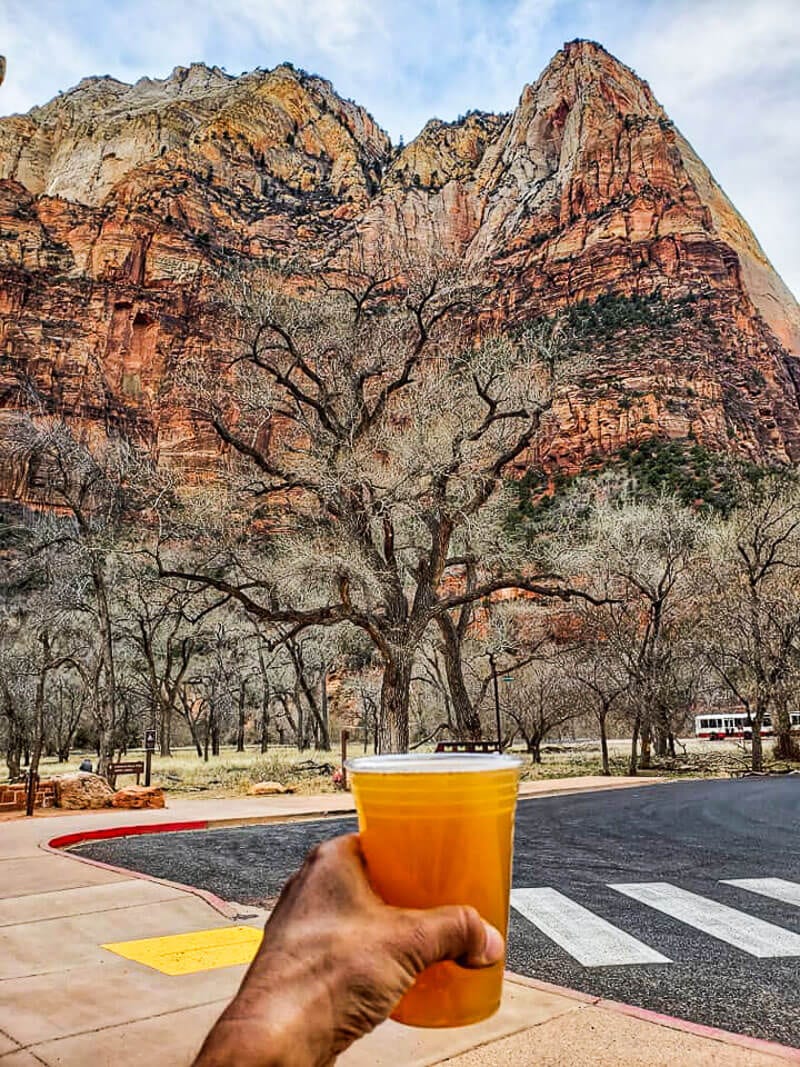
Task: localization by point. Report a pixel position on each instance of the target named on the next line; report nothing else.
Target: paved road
(621, 894)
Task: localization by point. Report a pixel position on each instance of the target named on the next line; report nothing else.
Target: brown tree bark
(106, 679)
(468, 723)
(601, 719)
(393, 733)
(633, 763)
(240, 721)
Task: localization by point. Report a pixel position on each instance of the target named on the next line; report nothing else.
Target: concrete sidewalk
(67, 1001)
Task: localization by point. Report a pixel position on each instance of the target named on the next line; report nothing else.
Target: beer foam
(433, 763)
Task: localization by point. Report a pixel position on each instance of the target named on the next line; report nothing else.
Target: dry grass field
(233, 773)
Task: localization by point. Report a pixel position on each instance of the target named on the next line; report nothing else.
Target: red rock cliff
(118, 202)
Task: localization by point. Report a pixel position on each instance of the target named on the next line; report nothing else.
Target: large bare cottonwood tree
(372, 441)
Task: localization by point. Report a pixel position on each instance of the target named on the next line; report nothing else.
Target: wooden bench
(467, 746)
(134, 767)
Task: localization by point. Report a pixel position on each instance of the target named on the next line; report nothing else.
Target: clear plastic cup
(439, 829)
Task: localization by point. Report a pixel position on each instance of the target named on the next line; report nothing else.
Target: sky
(727, 71)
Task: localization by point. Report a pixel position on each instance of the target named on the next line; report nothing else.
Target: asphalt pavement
(623, 895)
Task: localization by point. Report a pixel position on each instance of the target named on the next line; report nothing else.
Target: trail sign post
(149, 747)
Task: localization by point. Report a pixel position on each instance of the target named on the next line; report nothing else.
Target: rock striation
(118, 204)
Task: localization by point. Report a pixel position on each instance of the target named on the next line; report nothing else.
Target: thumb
(456, 932)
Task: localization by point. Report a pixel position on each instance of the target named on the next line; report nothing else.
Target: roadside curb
(610, 786)
(62, 845)
(58, 846)
(671, 1022)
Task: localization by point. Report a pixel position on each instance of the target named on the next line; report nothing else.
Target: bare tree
(67, 707)
(541, 699)
(165, 629)
(753, 633)
(16, 696)
(374, 443)
(643, 560)
(601, 678)
(94, 487)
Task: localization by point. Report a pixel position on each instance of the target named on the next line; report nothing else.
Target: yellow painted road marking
(202, 950)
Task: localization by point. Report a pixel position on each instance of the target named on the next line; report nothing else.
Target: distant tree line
(362, 558)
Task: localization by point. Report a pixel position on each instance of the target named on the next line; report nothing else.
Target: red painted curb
(57, 844)
(672, 1022)
(65, 840)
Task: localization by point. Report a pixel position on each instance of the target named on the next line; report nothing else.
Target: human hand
(334, 962)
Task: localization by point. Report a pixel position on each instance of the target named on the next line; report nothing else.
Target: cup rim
(434, 762)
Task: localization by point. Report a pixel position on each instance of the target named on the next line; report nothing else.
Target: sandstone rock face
(119, 205)
(82, 790)
(268, 789)
(139, 796)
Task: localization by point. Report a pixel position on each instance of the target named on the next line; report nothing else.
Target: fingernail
(495, 947)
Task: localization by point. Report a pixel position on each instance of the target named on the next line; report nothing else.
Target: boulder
(82, 790)
(268, 789)
(139, 796)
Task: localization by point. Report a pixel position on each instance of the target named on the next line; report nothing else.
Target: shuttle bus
(717, 726)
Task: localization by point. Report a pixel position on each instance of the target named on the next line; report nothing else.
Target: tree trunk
(324, 723)
(604, 742)
(301, 725)
(318, 722)
(38, 720)
(106, 696)
(644, 758)
(757, 763)
(633, 763)
(14, 735)
(165, 741)
(661, 743)
(264, 730)
(468, 723)
(13, 756)
(105, 751)
(240, 721)
(535, 749)
(196, 740)
(392, 733)
(191, 722)
(786, 746)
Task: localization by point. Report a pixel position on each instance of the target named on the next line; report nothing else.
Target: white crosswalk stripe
(776, 888)
(743, 931)
(589, 939)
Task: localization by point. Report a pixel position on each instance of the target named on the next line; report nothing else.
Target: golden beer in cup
(439, 829)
